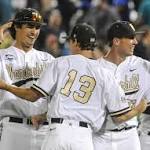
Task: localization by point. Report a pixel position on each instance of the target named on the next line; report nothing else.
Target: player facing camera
(84, 35)
(120, 30)
(29, 17)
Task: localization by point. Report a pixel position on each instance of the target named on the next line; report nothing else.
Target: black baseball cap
(83, 33)
(28, 15)
(121, 29)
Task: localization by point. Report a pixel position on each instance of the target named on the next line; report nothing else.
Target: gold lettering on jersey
(130, 84)
(19, 74)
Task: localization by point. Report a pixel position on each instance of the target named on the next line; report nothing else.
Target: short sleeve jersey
(81, 90)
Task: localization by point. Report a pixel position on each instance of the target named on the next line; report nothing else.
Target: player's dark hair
(13, 30)
(85, 46)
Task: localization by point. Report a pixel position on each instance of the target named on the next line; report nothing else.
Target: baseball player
(81, 95)
(133, 75)
(21, 65)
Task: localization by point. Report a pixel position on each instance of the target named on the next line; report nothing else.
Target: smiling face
(125, 46)
(26, 36)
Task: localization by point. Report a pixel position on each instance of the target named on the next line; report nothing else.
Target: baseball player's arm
(38, 90)
(118, 106)
(29, 94)
(147, 96)
(2, 29)
(141, 107)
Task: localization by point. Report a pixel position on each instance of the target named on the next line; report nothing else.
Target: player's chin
(29, 44)
(130, 53)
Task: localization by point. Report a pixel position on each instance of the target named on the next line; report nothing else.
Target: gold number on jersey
(66, 90)
(85, 90)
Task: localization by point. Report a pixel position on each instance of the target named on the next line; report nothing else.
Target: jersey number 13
(87, 85)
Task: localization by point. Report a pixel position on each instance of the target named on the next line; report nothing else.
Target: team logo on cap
(92, 39)
(36, 17)
(132, 26)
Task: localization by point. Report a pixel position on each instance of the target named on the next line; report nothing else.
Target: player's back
(81, 90)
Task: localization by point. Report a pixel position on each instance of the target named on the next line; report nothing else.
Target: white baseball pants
(20, 136)
(68, 136)
(123, 140)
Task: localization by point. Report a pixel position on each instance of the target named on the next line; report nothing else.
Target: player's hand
(37, 120)
(141, 107)
(2, 29)
(3, 85)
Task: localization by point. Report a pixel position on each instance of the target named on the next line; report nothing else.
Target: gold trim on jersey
(27, 72)
(120, 112)
(130, 85)
(37, 88)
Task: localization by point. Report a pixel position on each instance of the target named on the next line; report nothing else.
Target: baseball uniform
(133, 76)
(81, 98)
(21, 69)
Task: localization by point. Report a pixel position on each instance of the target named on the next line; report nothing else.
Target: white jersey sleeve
(46, 86)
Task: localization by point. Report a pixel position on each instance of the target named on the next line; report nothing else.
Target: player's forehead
(126, 40)
(31, 25)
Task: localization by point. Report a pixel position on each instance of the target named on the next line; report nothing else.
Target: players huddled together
(73, 102)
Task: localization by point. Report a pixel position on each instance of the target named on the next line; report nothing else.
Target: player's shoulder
(72, 58)
(6, 50)
(43, 54)
(103, 62)
(67, 60)
(77, 61)
(102, 66)
(134, 59)
(7, 53)
(138, 62)
(60, 61)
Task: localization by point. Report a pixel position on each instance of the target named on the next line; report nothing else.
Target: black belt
(21, 120)
(125, 128)
(60, 120)
(148, 133)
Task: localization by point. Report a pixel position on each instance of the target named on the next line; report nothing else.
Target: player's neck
(21, 47)
(87, 53)
(114, 57)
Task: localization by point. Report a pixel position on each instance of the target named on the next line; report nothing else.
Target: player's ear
(116, 41)
(76, 43)
(15, 27)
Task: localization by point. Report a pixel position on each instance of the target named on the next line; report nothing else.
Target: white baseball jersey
(21, 68)
(81, 91)
(134, 76)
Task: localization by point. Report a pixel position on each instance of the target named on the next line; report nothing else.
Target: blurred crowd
(61, 15)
